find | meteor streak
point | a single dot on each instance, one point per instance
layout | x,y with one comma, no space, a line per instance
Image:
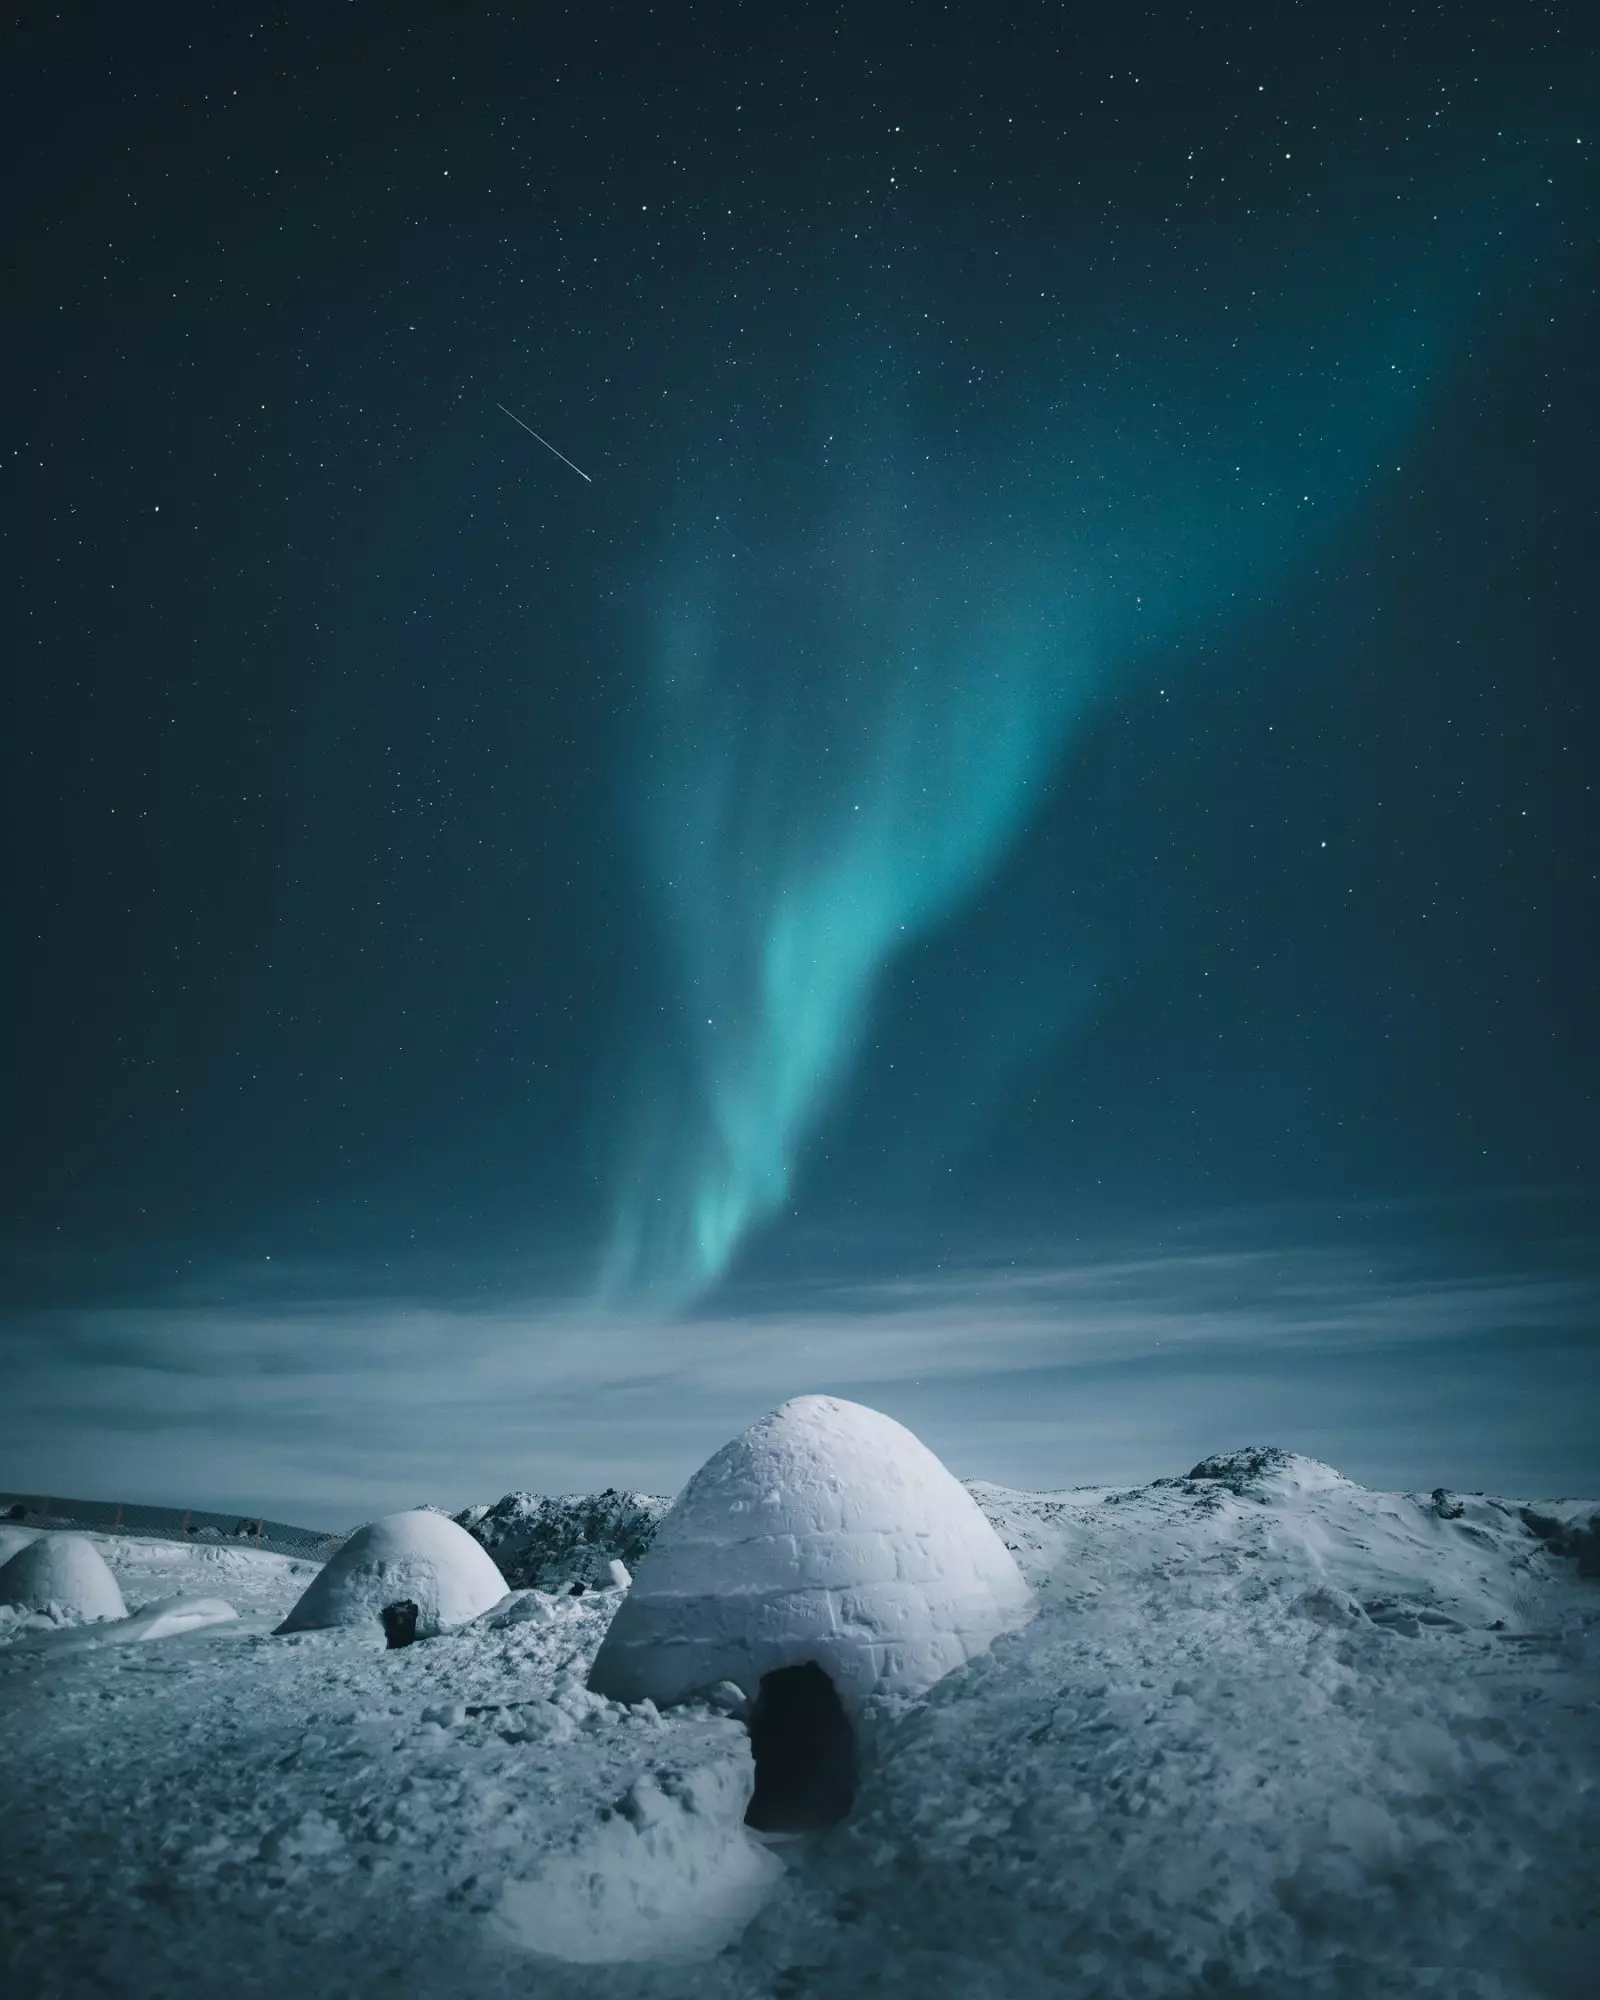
578,469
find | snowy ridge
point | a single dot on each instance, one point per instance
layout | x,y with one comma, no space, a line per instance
1270,1733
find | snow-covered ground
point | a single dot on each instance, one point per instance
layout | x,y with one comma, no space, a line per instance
1269,1734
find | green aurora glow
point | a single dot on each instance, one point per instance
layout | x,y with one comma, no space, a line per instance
854,714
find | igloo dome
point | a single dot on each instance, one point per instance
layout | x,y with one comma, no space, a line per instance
13,1537
827,1537
421,1559
66,1570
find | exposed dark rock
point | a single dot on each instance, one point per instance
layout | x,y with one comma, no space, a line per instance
1235,1469
547,1541
1576,1539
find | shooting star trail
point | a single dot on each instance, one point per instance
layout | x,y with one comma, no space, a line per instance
578,469
732,537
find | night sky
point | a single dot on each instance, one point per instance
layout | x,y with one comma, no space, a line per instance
1019,844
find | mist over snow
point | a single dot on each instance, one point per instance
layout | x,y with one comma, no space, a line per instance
1407,1358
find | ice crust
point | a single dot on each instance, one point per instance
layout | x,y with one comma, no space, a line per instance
419,1555
63,1572
826,1533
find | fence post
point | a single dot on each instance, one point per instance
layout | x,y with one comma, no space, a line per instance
258,1530
186,1520
116,1525
44,1508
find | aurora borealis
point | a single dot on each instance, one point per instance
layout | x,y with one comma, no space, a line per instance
853,718
1021,842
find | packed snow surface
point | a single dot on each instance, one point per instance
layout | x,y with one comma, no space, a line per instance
61,1574
1270,1734
826,1533
419,1557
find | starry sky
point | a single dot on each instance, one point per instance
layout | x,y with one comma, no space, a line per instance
1003,822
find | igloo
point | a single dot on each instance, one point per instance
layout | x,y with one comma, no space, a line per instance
64,1570
13,1538
416,1574
822,1560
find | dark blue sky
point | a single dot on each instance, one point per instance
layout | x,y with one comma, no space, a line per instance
1040,796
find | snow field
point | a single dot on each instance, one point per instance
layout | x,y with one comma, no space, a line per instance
1269,1734
328,1798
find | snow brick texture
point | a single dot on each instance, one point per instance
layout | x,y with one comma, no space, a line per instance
825,1533
422,1558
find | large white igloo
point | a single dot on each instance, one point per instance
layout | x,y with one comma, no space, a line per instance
827,1535
65,1570
419,1558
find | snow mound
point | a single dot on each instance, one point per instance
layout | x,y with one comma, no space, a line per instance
825,1533
545,1542
420,1556
170,1615
66,1571
1264,1468
670,1875
1314,1740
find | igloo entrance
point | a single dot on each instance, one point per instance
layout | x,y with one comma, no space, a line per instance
399,1623
804,1750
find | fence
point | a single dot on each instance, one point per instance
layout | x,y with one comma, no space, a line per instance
171,1524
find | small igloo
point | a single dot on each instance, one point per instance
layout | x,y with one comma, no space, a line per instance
822,1560
415,1574
67,1571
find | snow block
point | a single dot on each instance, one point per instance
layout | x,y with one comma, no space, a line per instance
826,1533
67,1571
420,1557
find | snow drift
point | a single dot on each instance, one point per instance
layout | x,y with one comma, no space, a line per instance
169,1616
66,1571
826,1533
420,1558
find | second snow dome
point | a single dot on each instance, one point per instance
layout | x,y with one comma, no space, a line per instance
826,1534
420,1559
65,1570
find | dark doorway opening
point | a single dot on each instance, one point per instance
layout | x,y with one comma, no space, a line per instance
399,1623
805,1752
